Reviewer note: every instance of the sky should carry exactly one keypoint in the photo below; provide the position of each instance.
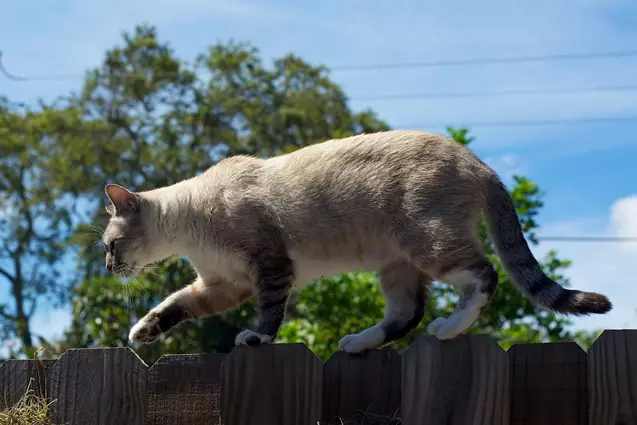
(586, 169)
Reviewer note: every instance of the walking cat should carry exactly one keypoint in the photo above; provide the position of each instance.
(404, 203)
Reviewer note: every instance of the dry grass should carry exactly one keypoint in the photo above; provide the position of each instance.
(31, 409)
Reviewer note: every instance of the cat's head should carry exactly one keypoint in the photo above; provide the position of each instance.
(126, 238)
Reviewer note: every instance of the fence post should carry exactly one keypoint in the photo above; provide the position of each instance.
(185, 389)
(361, 385)
(271, 384)
(99, 386)
(612, 376)
(548, 384)
(462, 381)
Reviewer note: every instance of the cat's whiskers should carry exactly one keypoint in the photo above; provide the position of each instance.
(141, 287)
(127, 299)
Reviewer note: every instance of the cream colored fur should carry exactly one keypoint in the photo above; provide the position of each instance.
(404, 203)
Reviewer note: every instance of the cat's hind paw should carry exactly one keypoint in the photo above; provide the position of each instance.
(249, 337)
(444, 328)
(366, 340)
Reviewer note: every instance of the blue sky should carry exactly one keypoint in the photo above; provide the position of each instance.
(587, 169)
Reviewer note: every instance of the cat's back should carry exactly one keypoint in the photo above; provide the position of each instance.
(393, 155)
(405, 143)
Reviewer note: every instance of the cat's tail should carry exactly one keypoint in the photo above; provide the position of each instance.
(520, 264)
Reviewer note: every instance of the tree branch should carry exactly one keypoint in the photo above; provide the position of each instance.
(6, 315)
(7, 275)
(28, 233)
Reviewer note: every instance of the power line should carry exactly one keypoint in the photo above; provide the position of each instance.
(587, 238)
(396, 65)
(443, 95)
(487, 60)
(568, 121)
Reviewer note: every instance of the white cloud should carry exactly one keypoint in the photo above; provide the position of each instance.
(624, 218)
(604, 267)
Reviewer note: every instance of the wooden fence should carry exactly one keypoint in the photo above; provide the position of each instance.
(469, 380)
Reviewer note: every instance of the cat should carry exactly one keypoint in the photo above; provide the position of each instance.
(403, 203)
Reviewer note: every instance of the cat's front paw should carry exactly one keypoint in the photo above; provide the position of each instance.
(249, 337)
(146, 330)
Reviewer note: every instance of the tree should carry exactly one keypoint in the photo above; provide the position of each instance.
(334, 307)
(171, 122)
(35, 217)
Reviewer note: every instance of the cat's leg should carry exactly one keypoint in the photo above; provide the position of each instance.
(405, 291)
(477, 281)
(274, 275)
(198, 299)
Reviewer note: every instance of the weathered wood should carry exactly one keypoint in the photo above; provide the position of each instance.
(612, 377)
(457, 382)
(548, 384)
(361, 385)
(99, 386)
(185, 389)
(16, 376)
(272, 384)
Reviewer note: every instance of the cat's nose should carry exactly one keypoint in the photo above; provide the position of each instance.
(109, 265)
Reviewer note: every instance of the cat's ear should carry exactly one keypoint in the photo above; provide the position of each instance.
(123, 200)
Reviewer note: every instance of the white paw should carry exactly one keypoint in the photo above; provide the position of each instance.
(366, 340)
(444, 328)
(249, 337)
(146, 330)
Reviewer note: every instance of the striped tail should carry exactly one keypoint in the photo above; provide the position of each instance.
(518, 261)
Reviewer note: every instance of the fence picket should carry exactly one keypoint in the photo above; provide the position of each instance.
(273, 384)
(368, 383)
(612, 376)
(548, 384)
(16, 376)
(457, 382)
(185, 389)
(99, 387)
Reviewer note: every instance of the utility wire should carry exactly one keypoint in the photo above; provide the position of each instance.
(487, 60)
(396, 65)
(587, 238)
(584, 120)
(451, 95)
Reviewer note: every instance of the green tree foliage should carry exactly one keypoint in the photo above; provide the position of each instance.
(145, 118)
(35, 217)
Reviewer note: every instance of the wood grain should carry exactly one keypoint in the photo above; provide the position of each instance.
(463, 381)
(100, 387)
(548, 384)
(361, 386)
(185, 389)
(16, 376)
(273, 384)
(612, 377)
